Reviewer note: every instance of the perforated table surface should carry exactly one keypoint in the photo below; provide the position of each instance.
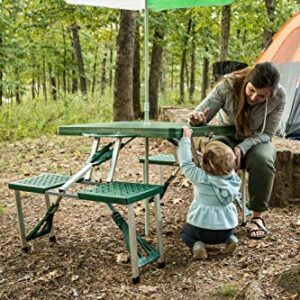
(164, 130)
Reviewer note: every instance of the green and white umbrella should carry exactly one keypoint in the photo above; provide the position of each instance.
(156, 5)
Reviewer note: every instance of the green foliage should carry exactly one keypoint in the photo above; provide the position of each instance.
(35, 40)
(227, 290)
(35, 118)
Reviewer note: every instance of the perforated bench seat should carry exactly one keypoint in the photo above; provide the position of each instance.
(161, 159)
(120, 192)
(39, 184)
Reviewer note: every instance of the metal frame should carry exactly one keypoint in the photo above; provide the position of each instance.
(244, 195)
(86, 171)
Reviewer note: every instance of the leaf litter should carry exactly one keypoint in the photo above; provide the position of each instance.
(90, 261)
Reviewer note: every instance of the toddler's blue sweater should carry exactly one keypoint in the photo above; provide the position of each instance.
(212, 207)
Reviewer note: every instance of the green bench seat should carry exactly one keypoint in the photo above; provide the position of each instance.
(125, 193)
(161, 159)
(39, 184)
(120, 192)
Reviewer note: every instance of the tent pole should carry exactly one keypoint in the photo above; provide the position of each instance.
(146, 41)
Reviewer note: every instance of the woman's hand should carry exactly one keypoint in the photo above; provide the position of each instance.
(198, 117)
(187, 132)
(238, 155)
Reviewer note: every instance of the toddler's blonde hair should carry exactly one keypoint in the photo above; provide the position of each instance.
(218, 158)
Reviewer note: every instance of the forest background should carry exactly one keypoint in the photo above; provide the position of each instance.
(62, 64)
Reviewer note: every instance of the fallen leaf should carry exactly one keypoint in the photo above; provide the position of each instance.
(122, 258)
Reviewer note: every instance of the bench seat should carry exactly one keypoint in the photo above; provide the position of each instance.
(124, 193)
(39, 184)
(161, 159)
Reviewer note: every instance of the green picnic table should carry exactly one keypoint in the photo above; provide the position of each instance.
(110, 192)
(164, 130)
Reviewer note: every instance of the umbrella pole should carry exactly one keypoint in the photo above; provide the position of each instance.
(146, 113)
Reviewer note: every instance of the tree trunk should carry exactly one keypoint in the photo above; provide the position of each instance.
(33, 87)
(225, 30)
(163, 76)
(187, 75)
(267, 35)
(103, 74)
(52, 83)
(44, 79)
(38, 83)
(111, 59)
(183, 61)
(193, 66)
(33, 82)
(17, 89)
(204, 83)
(123, 106)
(64, 62)
(94, 71)
(79, 58)
(18, 95)
(156, 59)
(136, 93)
(74, 82)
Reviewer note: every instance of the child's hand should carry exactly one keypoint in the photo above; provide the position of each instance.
(187, 132)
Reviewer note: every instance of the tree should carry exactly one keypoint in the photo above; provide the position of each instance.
(136, 76)
(78, 54)
(268, 32)
(193, 63)
(225, 29)
(183, 60)
(123, 106)
(155, 67)
(204, 82)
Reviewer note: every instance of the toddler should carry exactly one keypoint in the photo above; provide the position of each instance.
(212, 216)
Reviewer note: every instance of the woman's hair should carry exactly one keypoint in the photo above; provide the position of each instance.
(218, 158)
(261, 75)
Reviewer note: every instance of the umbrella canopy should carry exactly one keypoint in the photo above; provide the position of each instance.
(156, 5)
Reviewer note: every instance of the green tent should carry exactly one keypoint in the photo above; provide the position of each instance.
(156, 5)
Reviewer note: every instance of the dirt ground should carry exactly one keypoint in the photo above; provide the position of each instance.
(89, 260)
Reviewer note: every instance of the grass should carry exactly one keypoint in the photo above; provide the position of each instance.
(227, 290)
(33, 118)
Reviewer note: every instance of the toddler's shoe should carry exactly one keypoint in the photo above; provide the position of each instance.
(231, 245)
(199, 251)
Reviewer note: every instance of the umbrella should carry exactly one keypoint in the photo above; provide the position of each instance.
(156, 5)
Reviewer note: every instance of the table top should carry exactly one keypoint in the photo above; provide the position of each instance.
(164, 130)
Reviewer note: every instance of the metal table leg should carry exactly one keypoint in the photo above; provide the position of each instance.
(22, 230)
(133, 244)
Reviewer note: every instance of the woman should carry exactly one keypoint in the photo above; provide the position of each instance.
(253, 101)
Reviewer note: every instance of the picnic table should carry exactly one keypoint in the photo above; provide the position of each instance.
(110, 192)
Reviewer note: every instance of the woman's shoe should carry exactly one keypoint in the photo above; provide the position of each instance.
(257, 225)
